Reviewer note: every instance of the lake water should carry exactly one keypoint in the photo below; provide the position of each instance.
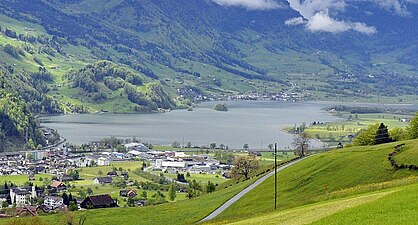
(255, 123)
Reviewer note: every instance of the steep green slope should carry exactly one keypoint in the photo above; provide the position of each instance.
(71, 77)
(18, 127)
(392, 206)
(329, 175)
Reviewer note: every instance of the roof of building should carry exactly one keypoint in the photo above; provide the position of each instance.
(22, 191)
(100, 200)
(56, 184)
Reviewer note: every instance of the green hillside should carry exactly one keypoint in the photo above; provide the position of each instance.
(330, 175)
(392, 206)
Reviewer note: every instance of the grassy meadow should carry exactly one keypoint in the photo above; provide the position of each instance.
(393, 206)
(333, 174)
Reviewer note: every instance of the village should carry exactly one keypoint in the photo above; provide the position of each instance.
(60, 178)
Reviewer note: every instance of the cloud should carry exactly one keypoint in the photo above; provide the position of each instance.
(322, 22)
(318, 14)
(308, 8)
(295, 21)
(251, 4)
(395, 6)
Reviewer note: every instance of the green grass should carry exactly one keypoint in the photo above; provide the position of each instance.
(408, 155)
(310, 213)
(393, 206)
(321, 177)
(399, 207)
(203, 178)
(20, 180)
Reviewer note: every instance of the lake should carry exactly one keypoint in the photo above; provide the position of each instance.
(256, 123)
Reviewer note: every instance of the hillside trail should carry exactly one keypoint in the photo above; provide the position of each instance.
(234, 199)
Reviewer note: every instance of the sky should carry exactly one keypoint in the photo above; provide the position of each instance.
(321, 15)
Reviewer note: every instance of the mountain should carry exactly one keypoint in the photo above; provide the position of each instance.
(144, 56)
(234, 50)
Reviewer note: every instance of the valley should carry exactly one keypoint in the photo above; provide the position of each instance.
(159, 112)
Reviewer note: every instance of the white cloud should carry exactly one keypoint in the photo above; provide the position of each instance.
(295, 21)
(319, 19)
(363, 28)
(251, 4)
(322, 22)
(308, 8)
(395, 6)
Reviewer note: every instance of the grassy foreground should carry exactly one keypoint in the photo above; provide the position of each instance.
(335, 174)
(394, 206)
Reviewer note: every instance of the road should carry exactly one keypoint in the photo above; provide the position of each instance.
(245, 191)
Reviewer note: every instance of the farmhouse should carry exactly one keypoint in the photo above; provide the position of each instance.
(126, 193)
(125, 175)
(98, 201)
(59, 186)
(103, 180)
(112, 173)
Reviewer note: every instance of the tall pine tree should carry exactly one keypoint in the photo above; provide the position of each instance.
(65, 199)
(382, 135)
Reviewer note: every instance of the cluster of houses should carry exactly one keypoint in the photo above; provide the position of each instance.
(59, 161)
(175, 162)
(22, 197)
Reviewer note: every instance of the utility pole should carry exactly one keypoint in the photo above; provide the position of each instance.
(275, 176)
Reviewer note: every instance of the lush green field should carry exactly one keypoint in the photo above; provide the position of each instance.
(22, 179)
(406, 156)
(393, 206)
(400, 207)
(337, 173)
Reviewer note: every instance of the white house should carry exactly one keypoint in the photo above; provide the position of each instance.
(53, 202)
(21, 196)
(103, 180)
(160, 164)
(102, 161)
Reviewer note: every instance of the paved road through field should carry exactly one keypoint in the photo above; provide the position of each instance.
(245, 191)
